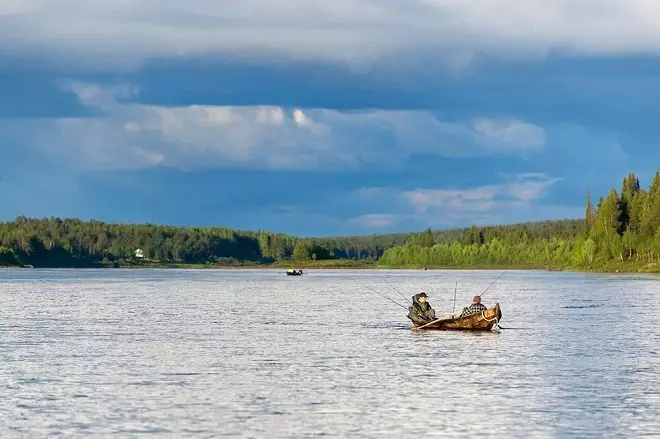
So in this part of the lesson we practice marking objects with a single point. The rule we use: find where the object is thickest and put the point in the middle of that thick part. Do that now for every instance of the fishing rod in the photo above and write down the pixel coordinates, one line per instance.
(400, 293)
(455, 290)
(384, 296)
(493, 283)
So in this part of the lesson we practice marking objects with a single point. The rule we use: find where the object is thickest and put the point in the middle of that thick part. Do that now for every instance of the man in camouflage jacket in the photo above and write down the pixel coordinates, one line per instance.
(421, 312)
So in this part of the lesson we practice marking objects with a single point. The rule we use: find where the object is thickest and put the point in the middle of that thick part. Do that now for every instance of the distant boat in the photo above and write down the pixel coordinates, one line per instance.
(483, 321)
(292, 272)
(28, 266)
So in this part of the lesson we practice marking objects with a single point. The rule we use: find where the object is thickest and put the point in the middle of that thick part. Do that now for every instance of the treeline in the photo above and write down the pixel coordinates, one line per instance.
(622, 228)
(55, 242)
(526, 244)
(58, 242)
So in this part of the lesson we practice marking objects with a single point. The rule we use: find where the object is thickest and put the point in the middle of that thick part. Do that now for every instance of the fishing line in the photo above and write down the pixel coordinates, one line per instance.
(385, 297)
(400, 293)
(493, 283)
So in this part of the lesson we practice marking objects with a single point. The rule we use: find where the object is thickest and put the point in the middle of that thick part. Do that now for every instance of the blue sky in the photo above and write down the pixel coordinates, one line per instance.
(324, 118)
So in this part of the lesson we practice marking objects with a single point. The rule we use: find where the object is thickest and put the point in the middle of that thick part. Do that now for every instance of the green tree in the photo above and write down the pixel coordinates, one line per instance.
(302, 251)
(656, 244)
(590, 215)
(629, 190)
(8, 258)
(426, 238)
(608, 224)
(653, 206)
(629, 242)
(589, 250)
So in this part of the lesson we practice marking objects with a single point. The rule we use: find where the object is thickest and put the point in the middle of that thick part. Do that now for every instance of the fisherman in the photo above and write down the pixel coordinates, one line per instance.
(475, 308)
(421, 312)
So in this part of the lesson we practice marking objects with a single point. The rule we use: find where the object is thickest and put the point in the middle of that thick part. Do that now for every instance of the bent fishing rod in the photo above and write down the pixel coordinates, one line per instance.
(384, 296)
(500, 276)
(400, 293)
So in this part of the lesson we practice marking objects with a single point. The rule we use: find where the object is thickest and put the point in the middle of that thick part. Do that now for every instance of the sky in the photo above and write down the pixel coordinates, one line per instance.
(319, 118)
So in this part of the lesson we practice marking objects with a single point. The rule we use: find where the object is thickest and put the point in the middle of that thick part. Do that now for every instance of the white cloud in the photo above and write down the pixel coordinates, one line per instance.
(518, 198)
(500, 214)
(126, 32)
(511, 132)
(104, 97)
(522, 189)
(133, 136)
(375, 220)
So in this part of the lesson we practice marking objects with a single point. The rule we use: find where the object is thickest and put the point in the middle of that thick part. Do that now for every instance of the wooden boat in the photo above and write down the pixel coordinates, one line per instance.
(483, 321)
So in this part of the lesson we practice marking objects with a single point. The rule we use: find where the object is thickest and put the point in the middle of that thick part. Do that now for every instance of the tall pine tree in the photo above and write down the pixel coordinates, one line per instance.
(652, 217)
(590, 215)
(629, 190)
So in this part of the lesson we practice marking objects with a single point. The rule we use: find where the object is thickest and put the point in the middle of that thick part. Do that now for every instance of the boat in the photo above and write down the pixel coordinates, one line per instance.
(292, 272)
(483, 321)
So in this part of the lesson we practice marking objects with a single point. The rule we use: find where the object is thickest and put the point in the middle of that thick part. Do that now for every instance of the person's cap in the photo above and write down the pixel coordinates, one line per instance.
(422, 295)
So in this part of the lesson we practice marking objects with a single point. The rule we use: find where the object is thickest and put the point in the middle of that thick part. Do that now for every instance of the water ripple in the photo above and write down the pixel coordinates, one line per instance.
(246, 353)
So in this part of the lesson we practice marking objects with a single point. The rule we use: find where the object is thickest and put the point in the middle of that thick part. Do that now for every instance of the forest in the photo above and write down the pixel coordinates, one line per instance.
(55, 242)
(622, 228)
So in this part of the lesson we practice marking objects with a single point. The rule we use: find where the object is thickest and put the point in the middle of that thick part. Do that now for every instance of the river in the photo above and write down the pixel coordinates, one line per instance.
(254, 353)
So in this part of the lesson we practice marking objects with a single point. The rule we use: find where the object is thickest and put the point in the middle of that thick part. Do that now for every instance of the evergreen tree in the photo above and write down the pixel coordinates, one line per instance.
(653, 209)
(629, 191)
(590, 215)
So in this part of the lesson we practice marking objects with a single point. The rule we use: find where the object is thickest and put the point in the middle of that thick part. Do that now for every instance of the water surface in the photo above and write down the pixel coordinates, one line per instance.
(254, 353)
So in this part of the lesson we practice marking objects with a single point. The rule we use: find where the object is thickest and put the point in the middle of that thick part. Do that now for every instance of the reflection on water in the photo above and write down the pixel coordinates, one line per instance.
(258, 354)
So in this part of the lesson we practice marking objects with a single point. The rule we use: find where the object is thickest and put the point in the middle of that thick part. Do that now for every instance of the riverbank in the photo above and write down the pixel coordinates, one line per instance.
(371, 265)
(374, 265)
(612, 268)
(280, 265)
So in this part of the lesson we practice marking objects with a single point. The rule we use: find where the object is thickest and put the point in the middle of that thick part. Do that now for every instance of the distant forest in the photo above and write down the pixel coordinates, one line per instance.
(55, 242)
(622, 228)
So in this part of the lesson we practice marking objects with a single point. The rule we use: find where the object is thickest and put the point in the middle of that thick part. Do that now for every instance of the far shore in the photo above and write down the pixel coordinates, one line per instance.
(360, 265)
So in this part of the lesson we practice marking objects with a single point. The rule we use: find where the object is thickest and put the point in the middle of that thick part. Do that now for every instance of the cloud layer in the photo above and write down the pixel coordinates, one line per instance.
(518, 198)
(125, 33)
(135, 136)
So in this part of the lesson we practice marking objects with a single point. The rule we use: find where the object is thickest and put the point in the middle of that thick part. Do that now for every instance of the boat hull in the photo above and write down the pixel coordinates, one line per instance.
(483, 321)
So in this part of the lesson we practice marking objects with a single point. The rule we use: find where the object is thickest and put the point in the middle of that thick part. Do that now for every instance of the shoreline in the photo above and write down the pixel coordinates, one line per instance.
(623, 269)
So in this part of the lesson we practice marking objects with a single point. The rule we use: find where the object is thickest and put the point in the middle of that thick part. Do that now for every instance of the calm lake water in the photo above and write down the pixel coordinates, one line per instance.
(249, 353)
